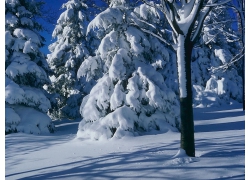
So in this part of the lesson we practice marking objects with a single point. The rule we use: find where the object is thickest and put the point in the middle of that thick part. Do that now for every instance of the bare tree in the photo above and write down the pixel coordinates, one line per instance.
(185, 18)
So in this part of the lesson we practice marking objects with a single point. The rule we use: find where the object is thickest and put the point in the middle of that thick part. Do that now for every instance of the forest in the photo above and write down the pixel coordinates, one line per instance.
(123, 68)
(124, 89)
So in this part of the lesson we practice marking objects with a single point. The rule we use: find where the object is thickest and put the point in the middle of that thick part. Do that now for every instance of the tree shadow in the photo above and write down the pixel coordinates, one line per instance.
(143, 163)
(107, 167)
(239, 125)
(211, 117)
(208, 114)
(147, 162)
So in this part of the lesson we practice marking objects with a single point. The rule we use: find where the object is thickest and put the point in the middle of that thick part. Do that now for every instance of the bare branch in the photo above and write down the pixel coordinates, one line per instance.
(217, 4)
(232, 61)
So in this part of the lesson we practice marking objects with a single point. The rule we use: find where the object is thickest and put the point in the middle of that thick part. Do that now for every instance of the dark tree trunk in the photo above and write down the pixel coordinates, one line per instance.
(186, 109)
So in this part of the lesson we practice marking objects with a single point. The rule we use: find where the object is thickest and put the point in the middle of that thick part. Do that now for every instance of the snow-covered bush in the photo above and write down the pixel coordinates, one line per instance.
(131, 96)
(25, 70)
(67, 54)
(216, 81)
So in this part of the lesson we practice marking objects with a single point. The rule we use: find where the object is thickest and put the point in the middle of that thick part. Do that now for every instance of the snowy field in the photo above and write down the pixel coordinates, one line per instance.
(220, 152)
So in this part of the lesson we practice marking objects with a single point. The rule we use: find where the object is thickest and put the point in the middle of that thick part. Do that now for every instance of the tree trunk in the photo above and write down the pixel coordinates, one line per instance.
(184, 52)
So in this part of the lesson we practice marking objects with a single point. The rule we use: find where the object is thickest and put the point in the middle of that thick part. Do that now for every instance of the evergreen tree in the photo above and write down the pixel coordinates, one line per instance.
(25, 69)
(131, 96)
(67, 54)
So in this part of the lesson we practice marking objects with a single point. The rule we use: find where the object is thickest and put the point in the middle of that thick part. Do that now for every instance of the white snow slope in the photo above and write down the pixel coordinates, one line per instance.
(219, 141)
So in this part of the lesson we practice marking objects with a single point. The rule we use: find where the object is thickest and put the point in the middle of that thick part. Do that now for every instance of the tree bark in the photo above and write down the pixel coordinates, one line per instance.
(186, 108)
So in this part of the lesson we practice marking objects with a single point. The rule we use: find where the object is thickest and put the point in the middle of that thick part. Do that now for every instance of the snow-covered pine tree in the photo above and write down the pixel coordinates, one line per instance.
(25, 70)
(131, 96)
(67, 54)
(215, 79)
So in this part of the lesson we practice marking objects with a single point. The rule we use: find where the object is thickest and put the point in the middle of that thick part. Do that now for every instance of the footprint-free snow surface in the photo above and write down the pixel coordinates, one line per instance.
(219, 141)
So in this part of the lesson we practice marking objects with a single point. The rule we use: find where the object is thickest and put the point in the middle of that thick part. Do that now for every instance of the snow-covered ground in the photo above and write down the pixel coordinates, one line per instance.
(219, 140)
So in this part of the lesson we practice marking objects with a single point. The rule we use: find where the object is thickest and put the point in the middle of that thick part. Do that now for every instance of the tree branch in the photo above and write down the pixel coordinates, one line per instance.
(225, 66)
(217, 4)
(202, 17)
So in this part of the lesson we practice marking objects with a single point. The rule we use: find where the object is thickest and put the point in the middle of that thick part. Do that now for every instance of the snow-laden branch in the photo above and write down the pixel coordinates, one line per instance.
(202, 16)
(165, 11)
(214, 36)
(151, 33)
(139, 19)
(227, 65)
(187, 8)
(155, 35)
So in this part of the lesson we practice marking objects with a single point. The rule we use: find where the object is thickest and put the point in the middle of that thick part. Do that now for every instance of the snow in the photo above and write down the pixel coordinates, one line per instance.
(181, 67)
(65, 16)
(32, 121)
(219, 141)
(13, 92)
(23, 66)
(117, 70)
(8, 38)
(88, 68)
(223, 55)
(22, 11)
(27, 35)
(19, 44)
(25, 95)
(10, 19)
(11, 117)
(30, 47)
(117, 98)
(27, 21)
(105, 19)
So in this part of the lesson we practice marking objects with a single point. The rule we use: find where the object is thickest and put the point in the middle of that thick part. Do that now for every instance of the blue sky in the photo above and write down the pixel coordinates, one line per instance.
(55, 5)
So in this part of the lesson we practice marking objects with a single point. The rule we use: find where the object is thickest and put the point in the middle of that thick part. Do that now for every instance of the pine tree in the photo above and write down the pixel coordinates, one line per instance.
(131, 96)
(25, 70)
(67, 54)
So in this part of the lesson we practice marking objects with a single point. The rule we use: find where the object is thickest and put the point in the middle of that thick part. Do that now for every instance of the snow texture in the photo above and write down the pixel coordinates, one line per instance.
(219, 141)
(181, 67)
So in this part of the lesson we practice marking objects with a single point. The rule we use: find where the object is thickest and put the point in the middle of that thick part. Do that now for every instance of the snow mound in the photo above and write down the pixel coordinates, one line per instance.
(27, 120)
(182, 158)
